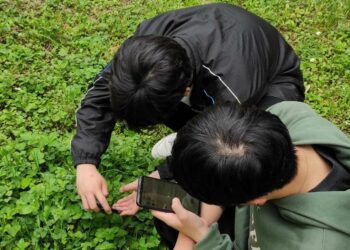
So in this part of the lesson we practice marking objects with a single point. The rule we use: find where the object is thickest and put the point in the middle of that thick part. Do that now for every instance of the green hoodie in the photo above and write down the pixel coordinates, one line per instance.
(309, 221)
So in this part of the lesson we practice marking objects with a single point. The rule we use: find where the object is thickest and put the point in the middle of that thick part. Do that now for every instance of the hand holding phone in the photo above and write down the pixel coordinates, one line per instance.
(184, 221)
(158, 195)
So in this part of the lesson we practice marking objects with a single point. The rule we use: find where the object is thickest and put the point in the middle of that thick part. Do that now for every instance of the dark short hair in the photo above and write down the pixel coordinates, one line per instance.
(148, 80)
(230, 155)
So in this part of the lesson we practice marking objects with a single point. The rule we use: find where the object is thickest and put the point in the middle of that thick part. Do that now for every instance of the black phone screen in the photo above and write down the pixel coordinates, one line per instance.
(158, 194)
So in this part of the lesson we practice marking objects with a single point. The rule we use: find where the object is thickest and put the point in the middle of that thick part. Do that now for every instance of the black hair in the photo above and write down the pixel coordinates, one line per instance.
(230, 155)
(148, 80)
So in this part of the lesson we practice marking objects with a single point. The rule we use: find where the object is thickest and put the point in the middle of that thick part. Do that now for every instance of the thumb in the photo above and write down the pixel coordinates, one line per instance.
(129, 187)
(179, 210)
(104, 188)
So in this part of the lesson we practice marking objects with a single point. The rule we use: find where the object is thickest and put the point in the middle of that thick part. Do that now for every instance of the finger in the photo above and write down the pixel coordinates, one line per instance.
(102, 199)
(104, 188)
(169, 218)
(129, 212)
(92, 203)
(124, 203)
(179, 210)
(124, 213)
(85, 203)
(129, 187)
(121, 207)
(157, 214)
(125, 199)
(126, 206)
(129, 202)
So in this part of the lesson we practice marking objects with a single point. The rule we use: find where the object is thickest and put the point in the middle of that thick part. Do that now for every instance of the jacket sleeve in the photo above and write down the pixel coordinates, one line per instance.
(95, 122)
(214, 240)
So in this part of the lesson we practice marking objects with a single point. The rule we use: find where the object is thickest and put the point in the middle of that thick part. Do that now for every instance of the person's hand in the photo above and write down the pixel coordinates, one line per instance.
(127, 205)
(184, 221)
(92, 186)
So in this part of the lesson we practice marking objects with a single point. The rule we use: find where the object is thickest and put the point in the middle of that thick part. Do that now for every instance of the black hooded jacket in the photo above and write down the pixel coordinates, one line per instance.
(236, 57)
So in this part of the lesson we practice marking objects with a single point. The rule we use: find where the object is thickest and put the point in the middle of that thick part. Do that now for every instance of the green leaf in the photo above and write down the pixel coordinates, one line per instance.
(25, 182)
(105, 246)
(12, 229)
(37, 156)
(22, 244)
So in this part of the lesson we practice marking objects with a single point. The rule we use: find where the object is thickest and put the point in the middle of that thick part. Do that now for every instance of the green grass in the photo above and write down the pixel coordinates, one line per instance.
(49, 53)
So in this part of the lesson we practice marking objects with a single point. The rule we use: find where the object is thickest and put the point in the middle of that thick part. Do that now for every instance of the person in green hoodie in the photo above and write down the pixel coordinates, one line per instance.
(286, 170)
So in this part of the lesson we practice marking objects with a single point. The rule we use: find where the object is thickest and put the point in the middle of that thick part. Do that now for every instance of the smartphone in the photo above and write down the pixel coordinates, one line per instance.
(158, 194)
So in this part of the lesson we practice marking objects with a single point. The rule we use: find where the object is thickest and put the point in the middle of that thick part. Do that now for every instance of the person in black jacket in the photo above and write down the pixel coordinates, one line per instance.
(174, 66)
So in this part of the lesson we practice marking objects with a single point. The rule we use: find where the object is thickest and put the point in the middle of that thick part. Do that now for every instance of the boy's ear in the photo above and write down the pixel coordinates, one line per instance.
(187, 91)
(258, 201)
